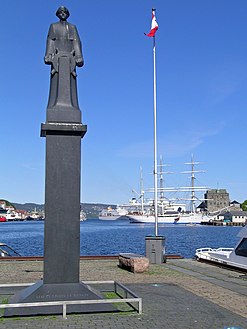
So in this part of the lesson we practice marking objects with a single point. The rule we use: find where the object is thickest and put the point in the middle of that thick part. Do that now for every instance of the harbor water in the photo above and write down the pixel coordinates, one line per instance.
(114, 237)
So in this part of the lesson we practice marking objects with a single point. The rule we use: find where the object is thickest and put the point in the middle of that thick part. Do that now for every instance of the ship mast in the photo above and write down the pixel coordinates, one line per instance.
(193, 188)
(141, 191)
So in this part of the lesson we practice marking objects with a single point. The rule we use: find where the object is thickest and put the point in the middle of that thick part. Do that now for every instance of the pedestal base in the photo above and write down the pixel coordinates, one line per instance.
(40, 292)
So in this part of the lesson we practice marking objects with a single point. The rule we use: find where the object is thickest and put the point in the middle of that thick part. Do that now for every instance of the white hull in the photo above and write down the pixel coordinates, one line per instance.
(112, 217)
(190, 218)
(151, 219)
(222, 256)
(185, 219)
(234, 257)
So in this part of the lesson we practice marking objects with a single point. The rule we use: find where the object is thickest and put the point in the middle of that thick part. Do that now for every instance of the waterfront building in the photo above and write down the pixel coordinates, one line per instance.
(216, 199)
(233, 216)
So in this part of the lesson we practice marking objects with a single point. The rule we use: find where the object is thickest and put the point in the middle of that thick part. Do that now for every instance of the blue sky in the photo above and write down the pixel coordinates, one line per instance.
(201, 94)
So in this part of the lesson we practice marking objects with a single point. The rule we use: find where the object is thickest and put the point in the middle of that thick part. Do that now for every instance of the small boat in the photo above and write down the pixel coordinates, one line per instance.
(232, 257)
(7, 251)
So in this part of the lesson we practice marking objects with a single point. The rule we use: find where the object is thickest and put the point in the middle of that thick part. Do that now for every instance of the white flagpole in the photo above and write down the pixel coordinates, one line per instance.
(155, 146)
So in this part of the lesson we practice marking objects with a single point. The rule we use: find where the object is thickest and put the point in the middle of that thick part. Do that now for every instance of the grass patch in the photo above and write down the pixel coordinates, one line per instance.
(110, 295)
(122, 307)
(4, 300)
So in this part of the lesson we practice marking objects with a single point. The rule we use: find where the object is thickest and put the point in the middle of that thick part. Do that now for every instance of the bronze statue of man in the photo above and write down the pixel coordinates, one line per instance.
(63, 53)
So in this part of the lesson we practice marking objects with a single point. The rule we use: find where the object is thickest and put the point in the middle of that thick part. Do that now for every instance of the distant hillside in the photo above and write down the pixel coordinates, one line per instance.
(8, 204)
(29, 206)
(91, 210)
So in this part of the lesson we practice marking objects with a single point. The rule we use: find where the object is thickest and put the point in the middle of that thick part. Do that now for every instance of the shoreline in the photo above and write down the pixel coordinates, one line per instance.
(83, 257)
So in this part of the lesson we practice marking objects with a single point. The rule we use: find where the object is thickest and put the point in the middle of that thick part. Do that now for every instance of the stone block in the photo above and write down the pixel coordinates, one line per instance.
(133, 262)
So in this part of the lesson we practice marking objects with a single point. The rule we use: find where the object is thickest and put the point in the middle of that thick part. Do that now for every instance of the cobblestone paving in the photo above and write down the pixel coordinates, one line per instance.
(165, 306)
(170, 299)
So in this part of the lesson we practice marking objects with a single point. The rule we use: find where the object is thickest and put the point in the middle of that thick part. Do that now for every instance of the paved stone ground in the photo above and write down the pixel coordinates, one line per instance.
(179, 294)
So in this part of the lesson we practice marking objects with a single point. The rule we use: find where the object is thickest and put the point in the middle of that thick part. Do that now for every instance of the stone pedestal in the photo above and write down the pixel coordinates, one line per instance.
(62, 202)
(62, 228)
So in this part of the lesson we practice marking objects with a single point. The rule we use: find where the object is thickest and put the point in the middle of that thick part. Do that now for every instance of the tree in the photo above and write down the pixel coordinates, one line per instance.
(244, 205)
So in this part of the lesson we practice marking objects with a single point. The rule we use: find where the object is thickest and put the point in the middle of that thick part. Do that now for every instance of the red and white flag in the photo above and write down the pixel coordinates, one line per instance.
(154, 25)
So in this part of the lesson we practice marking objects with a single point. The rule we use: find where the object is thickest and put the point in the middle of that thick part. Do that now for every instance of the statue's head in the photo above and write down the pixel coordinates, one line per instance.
(62, 13)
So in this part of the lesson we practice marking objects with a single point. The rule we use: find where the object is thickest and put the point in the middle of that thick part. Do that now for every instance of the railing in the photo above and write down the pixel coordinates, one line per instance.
(127, 292)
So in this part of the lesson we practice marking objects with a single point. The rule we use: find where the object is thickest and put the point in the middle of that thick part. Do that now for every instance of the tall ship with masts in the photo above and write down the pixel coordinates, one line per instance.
(193, 216)
(172, 211)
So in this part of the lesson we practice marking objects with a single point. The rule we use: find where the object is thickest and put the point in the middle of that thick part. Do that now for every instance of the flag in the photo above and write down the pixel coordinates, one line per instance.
(154, 25)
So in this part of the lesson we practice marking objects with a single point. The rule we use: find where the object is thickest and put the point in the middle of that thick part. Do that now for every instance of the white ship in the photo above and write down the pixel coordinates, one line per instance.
(170, 212)
(233, 257)
(167, 214)
(169, 217)
(193, 216)
(112, 214)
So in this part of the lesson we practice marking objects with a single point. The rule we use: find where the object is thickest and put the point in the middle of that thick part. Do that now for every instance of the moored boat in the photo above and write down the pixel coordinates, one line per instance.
(233, 257)
(170, 212)
(168, 218)
(143, 211)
